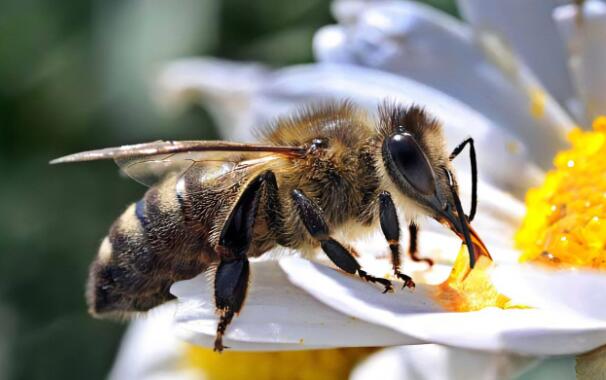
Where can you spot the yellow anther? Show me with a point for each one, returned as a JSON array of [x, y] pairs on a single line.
[[565, 223]]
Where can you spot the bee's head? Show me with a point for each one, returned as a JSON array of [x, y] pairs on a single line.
[[417, 163]]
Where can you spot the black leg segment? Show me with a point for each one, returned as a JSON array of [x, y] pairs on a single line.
[[388, 217], [231, 278], [231, 284], [237, 231], [340, 255], [413, 249], [312, 217], [274, 206], [474, 173]]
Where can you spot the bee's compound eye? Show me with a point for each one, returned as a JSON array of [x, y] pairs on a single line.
[[411, 162]]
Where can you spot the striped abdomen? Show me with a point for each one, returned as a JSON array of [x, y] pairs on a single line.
[[155, 242]]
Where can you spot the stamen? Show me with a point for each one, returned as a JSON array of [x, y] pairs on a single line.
[[565, 223]]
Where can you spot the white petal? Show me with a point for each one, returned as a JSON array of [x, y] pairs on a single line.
[[150, 350], [419, 42], [348, 11], [575, 292], [527, 26], [434, 362], [585, 36], [328, 45], [522, 331], [224, 87], [504, 159], [276, 315]]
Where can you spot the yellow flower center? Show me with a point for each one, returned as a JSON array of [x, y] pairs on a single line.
[[332, 364], [565, 223]]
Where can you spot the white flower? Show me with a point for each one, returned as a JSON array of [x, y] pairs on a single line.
[[467, 76], [151, 351]]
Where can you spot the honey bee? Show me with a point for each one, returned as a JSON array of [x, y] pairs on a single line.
[[215, 204]]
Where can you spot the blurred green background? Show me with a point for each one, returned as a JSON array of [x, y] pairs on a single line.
[[76, 75]]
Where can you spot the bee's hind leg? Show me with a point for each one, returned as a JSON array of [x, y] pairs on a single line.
[[390, 226], [311, 216], [231, 277], [231, 284]]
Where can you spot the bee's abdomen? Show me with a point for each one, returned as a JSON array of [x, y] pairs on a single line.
[[148, 248]]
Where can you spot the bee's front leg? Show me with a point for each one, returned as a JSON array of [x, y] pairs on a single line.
[[313, 219], [231, 278], [390, 226]]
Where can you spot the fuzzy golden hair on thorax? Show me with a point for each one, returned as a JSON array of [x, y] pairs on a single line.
[[337, 121]]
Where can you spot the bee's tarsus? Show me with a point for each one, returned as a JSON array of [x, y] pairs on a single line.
[[223, 323], [376, 280], [408, 282]]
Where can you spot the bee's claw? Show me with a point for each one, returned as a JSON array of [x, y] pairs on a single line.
[[378, 280], [408, 282], [387, 285], [388, 289], [219, 347]]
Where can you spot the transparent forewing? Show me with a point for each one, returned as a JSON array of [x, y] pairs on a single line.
[[148, 170], [148, 163]]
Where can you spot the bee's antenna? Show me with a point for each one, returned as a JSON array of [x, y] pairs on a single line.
[[474, 173]]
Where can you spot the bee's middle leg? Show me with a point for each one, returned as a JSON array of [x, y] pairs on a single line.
[[388, 217], [313, 219], [231, 277]]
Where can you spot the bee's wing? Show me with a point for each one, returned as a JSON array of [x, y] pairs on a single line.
[[147, 163], [170, 147], [148, 170]]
